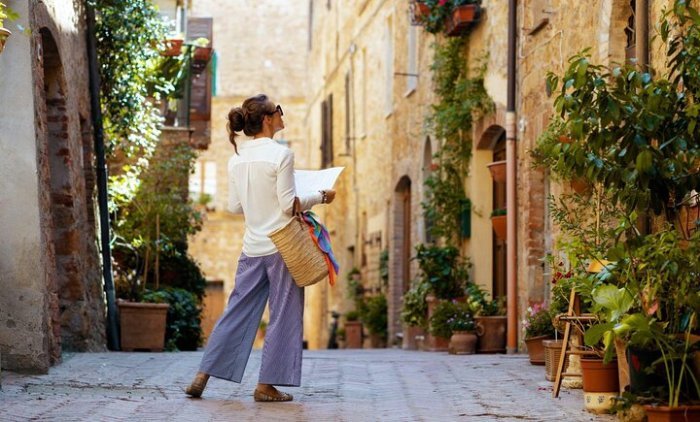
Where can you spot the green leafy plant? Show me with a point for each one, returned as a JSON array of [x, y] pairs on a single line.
[[499, 212], [352, 316], [7, 13], [443, 270], [449, 316], [440, 11], [538, 322], [461, 99], [183, 331], [414, 308], [373, 314]]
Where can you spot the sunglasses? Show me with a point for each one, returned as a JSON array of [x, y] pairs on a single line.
[[277, 108]]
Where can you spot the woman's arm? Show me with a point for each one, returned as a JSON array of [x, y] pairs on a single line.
[[286, 190]]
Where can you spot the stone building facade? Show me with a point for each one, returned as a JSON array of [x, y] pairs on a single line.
[[363, 57], [51, 296], [360, 101]]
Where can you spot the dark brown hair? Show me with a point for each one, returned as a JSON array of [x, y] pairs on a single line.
[[249, 117]]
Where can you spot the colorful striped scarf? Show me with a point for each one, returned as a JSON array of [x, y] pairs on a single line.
[[323, 240]]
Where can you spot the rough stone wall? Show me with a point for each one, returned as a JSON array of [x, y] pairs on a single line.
[[51, 282], [260, 48]]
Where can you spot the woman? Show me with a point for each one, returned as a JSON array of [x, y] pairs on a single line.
[[261, 186]]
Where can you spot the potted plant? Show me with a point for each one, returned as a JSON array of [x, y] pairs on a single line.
[[414, 309], [498, 171], [537, 326], [172, 47], [498, 222], [420, 12], [464, 338], [489, 316], [373, 314], [439, 326], [465, 14], [353, 330]]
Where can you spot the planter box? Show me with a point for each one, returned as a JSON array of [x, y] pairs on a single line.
[[535, 349], [672, 414], [353, 335], [499, 226], [463, 19], [552, 354], [492, 337], [498, 171], [142, 325], [203, 54]]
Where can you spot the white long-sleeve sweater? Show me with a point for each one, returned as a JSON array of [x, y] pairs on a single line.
[[261, 186]]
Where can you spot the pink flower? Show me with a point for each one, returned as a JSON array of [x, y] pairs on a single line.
[[442, 2]]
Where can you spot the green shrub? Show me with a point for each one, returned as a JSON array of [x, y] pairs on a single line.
[[373, 314], [184, 331], [443, 270], [415, 308]]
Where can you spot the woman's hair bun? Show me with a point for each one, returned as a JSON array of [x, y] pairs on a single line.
[[236, 119]]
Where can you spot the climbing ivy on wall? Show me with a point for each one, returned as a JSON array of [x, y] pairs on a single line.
[[461, 99]]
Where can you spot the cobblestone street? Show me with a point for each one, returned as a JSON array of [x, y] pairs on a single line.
[[341, 385]]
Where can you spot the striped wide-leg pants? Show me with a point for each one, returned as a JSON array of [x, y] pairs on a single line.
[[231, 341]]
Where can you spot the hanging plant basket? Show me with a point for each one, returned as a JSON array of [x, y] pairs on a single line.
[[463, 20], [4, 35], [173, 47], [203, 54], [498, 171], [419, 13], [499, 226]]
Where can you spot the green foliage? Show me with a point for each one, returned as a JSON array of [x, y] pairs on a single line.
[[158, 219], [384, 267], [126, 32], [184, 315], [499, 212], [479, 303], [178, 269], [461, 99], [373, 314], [449, 316], [538, 322], [352, 316], [7, 13], [443, 270], [355, 288], [414, 308]]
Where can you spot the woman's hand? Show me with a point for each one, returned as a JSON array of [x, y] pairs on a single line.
[[330, 196]]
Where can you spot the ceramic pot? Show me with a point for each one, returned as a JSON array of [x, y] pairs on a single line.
[[462, 343]]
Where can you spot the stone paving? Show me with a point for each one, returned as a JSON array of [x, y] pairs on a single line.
[[338, 385]]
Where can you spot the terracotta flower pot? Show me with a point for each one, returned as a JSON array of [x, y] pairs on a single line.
[[203, 54], [421, 11], [499, 226], [142, 325], [173, 47], [462, 20], [535, 349], [353, 335], [462, 343], [672, 414], [492, 334], [498, 171], [580, 186], [599, 377]]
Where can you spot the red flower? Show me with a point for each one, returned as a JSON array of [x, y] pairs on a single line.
[[442, 2]]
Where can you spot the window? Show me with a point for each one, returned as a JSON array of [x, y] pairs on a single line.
[[348, 114], [630, 33], [203, 182], [389, 66], [327, 132], [412, 68]]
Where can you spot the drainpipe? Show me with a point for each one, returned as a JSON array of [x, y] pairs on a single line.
[[101, 173], [511, 197]]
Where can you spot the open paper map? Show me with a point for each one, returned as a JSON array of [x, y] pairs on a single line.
[[311, 181]]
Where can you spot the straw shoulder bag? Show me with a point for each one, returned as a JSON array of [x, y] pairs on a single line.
[[306, 262]]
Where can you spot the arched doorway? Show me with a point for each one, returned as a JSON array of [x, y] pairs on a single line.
[[65, 284], [499, 251], [400, 258]]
